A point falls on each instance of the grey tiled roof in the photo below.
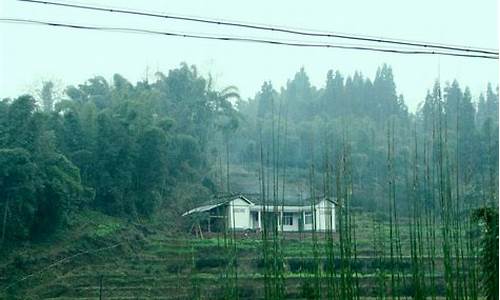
(257, 199)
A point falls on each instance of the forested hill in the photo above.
(310, 126)
(126, 150)
(150, 149)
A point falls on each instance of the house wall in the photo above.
(239, 214)
(307, 227)
(254, 219)
(325, 216)
(295, 225)
(333, 214)
(239, 217)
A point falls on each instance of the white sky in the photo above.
(29, 54)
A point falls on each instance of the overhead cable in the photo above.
(426, 45)
(242, 39)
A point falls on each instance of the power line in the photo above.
(241, 39)
(60, 261)
(272, 28)
(299, 28)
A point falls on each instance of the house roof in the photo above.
(220, 200)
(291, 201)
(216, 202)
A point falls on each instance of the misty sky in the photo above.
(30, 54)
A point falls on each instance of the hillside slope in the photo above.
(116, 260)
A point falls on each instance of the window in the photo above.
(308, 218)
(287, 219)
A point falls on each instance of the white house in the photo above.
(240, 213)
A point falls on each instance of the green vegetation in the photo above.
(156, 264)
(96, 183)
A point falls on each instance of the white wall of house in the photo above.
(325, 216)
(239, 214)
(254, 219)
(308, 220)
(295, 221)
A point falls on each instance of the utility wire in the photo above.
(297, 28)
(426, 45)
(63, 260)
(242, 39)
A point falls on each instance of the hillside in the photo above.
(93, 185)
(142, 261)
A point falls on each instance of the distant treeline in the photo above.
(316, 121)
(158, 146)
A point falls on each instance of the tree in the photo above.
(487, 217)
(333, 94)
(4, 113)
(266, 99)
(482, 111)
(492, 102)
(300, 97)
(151, 170)
(453, 98)
(19, 115)
(47, 96)
(95, 90)
(114, 166)
(384, 89)
(59, 193)
(468, 137)
(17, 193)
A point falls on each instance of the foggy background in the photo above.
(30, 54)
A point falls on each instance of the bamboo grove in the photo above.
(416, 193)
(433, 250)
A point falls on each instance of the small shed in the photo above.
(232, 211)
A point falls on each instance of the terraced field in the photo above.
(130, 264)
